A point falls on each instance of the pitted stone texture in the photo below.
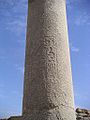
(53, 114)
(48, 81)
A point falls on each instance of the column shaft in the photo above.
(48, 81)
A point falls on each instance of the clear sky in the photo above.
(13, 15)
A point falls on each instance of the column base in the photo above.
(53, 114)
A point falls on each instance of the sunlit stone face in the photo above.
(48, 93)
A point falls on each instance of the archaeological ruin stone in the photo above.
(48, 92)
(15, 118)
(82, 114)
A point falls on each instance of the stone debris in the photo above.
(82, 114)
(15, 118)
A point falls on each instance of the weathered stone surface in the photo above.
(78, 110)
(54, 114)
(82, 114)
(86, 118)
(48, 80)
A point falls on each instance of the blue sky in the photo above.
(13, 15)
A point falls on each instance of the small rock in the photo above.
(82, 114)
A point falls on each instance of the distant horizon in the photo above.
(13, 22)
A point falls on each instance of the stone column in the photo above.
(48, 93)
